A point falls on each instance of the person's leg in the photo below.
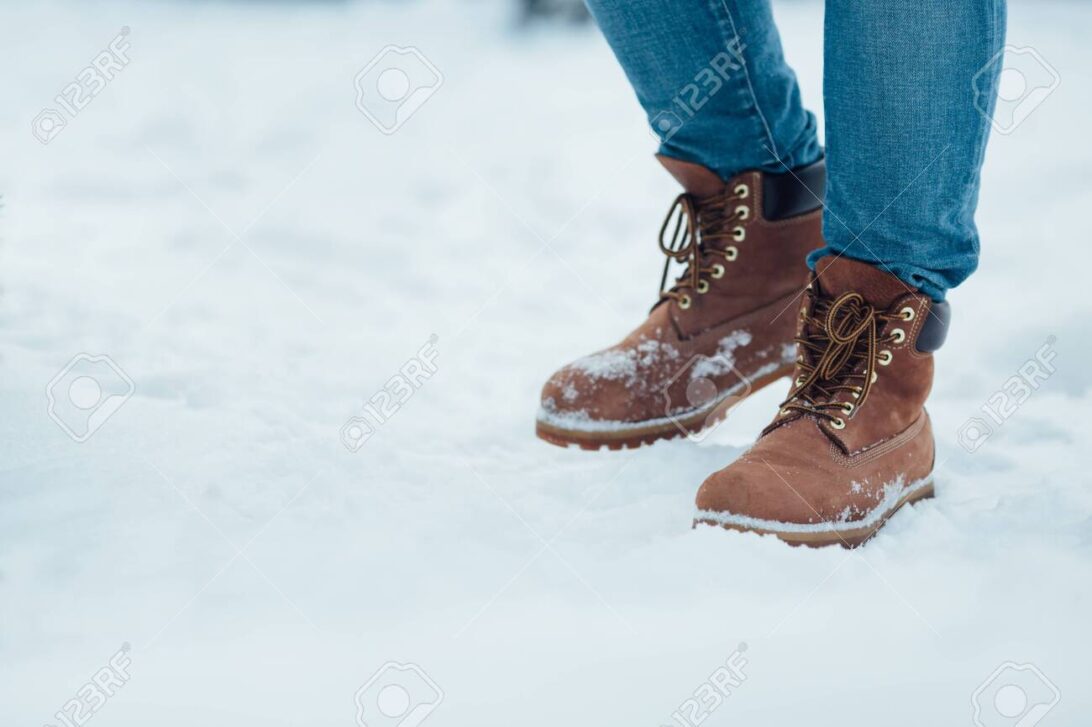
(711, 76)
(852, 443)
(905, 137)
(712, 79)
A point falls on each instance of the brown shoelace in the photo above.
(840, 347)
(699, 227)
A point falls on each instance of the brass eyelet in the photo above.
(838, 423)
(743, 212)
(898, 335)
(684, 302)
(739, 234)
(731, 253)
(884, 358)
(742, 191)
(848, 407)
(718, 271)
(703, 287)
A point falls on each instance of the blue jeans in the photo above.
(906, 113)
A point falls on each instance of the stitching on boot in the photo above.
(874, 451)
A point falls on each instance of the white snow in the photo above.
(225, 225)
(724, 360)
(626, 363)
(582, 421)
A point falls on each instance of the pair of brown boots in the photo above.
(852, 441)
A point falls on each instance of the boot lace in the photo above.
(839, 348)
(698, 230)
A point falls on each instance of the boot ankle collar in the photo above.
(793, 193)
(935, 328)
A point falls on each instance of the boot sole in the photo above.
(631, 435)
(821, 535)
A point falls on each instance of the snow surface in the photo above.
(225, 225)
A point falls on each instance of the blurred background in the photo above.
(230, 229)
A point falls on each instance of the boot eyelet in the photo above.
(856, 392)
(907, 313)
(898, 335)
(784, 412)
(742, 191)
(684, 302)
(739, 234)
(874, 377)
(731, 253)
(884, 358)
(799, 380)
(718, 271)
(743, 212)
(703, 287)
(838, 423)
(848, 407)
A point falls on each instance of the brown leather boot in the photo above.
(723, 331)
(853, 442)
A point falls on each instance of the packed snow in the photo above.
(724, 359)
(273, 275)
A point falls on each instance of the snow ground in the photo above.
(260, 260)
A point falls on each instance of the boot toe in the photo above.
(750, 493)
(571, 392)
(725, 492)
(560, 393)
(580, 393)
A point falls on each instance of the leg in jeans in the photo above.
(712, 79)
(711, 76)
(852, 443)
(905, 138)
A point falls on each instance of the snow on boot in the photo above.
(723, 330)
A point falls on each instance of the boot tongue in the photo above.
(694, 178)
(838, 275)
